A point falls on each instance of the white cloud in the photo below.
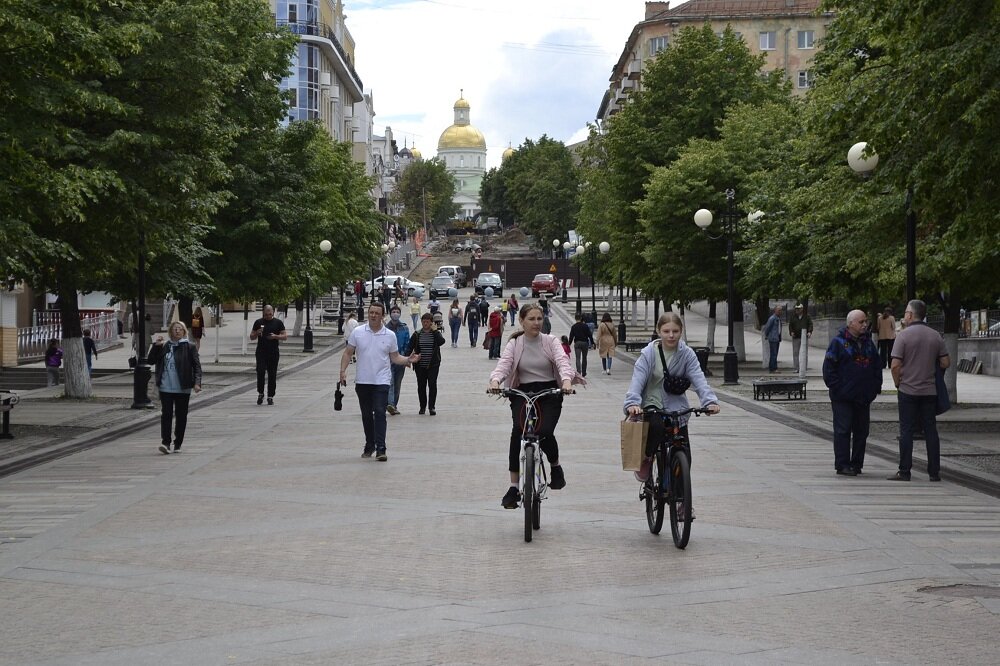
(527, 67)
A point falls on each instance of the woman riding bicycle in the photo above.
(648, 389)
(533, 361)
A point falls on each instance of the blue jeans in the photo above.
(456, 326)
(850, 420)
(772, 363)
(473, 332)
(397, 383)
(914, 409)
(373, 399)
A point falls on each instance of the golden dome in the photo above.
(507, 153)
(461, 103)
(461, 136)
(416, 154)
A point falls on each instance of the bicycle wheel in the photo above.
(654, 491)
(528, 491)
(680, 498)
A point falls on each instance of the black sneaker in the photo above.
(381, 457)
(270, 401)
(260, 398)
(367, 454)
(511, 499)
(846, 471)
(899, 476)
(558, 481)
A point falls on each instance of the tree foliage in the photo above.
(427, 193)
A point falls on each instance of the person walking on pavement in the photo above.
(582, 340)
(799, 322)
(268, 332)
(852, 372)
(472, 320)
(415, 312)
(90, 349)
(53, 359)
(886, 331)
(533, 361)
(397, 326)
(512, 307)
(427, 343)
(455, 321)
(377, 350)
(772, 333)
(484, 310)
(495, 335)
(917, 353)
(607, 339)
(177, 372)
(197, 327)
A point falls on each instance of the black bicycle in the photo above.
(534, 478)
(669, 481)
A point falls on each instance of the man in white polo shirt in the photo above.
(375, 347)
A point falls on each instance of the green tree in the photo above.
(542, 189)
(493, 197)
(426, 191)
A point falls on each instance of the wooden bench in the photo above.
(793, 389)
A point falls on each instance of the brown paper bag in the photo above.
(633, 443)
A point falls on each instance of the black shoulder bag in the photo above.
(672, 384)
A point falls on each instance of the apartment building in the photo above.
(786, 31)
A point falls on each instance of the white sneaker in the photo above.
(165, 449)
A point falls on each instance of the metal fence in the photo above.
(32, 340)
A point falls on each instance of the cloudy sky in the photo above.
(527, 67)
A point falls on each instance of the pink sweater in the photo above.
(562, 369)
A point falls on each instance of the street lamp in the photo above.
(581, 252)
(566, 246)
(865, 164)
(555, 248)
(604, 247)
(703, 218)
(307, 336)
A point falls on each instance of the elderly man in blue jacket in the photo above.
(853, 373)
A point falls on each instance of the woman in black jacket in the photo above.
(582, 340)
(427, 342)
(178, 371)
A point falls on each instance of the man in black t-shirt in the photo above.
(267, 331)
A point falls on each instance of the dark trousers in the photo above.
(657, 431)
(473, 332)
(456, 326)
(885, 352)
(267, 362)
(397, 383)
(547, 410)
(495, 347)
(427, 378)
(581, 357)
(772, 363)
(373, 399)
(914, 411)
(851, 421)
(173, 404)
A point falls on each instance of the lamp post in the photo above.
(581, 252)
(621, 307)
(604, 248)
(307, 336)
(865, 164)
(703, 218)
(555, 248)
(566, 246)
(142, 373)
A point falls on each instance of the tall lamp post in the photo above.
(703, 218)
(566, 246)
(142, 372)
(604, 248)
(307, 336)
(555, 248)
(621, 307)
(580, 254)
(865, 164)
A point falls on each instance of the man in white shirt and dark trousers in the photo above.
(375, 348)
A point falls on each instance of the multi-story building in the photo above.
(786, 31)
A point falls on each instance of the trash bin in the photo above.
(702, 354)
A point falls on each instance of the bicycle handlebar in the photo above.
(697, 411)
(506, 393)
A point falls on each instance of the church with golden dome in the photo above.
(462, 148)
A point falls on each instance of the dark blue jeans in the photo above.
(397, 383)
(373, 399)
(473, 332)
(456, 326)
(850, 420)
(772, 363)
(914, 409)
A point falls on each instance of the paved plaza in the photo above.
(270, 541)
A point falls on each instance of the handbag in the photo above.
(943, 399)
(634, 435)
(672, 384)
(338, 399)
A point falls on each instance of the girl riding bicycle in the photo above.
(533, 361)
(667, 355)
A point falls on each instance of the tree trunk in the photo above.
(74, 360)
(185, 310)
(710, 343)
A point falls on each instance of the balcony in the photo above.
(325, 37)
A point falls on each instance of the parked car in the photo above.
(489, 280)
(441, 284)
(544, 283)
(408, 285)
(457, 273)
(465, 246)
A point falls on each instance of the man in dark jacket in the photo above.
(853, 373)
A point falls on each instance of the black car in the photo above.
(441, 285)
(489, 280)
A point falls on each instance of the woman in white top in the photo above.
(533, 361)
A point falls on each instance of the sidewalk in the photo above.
(270, 541)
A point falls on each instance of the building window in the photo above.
(768, 41)
(806, 79)
(461, 161)
(657, 44)
(293, 13)
(806, 39)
